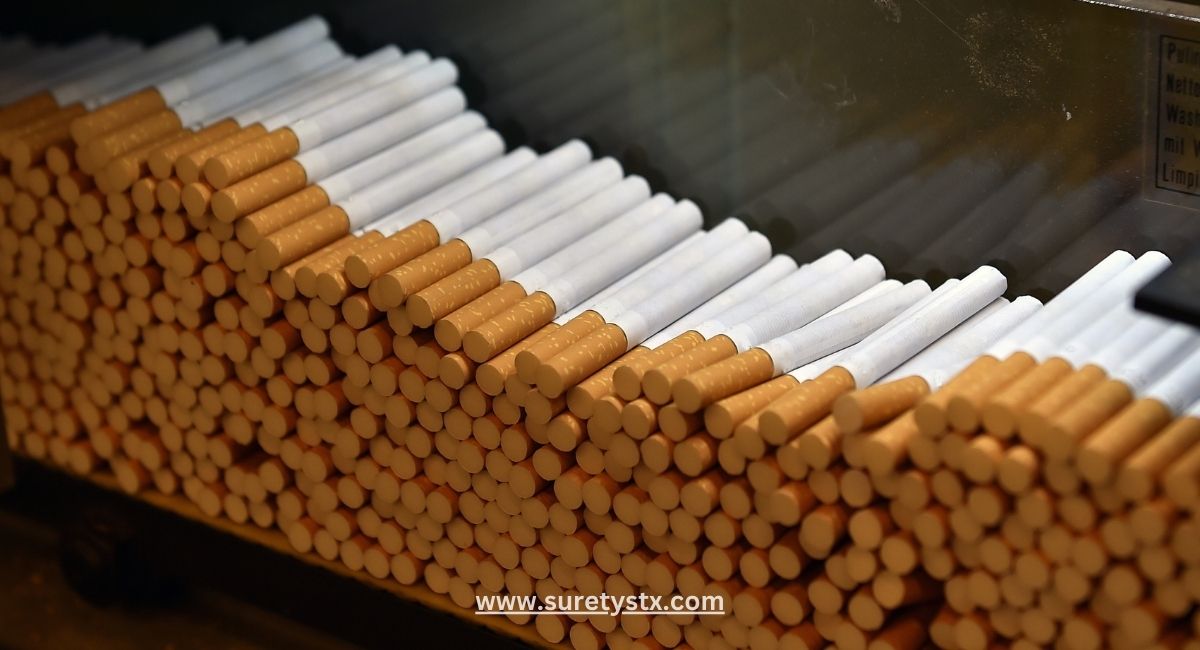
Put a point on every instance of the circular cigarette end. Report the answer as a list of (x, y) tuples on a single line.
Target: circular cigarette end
[(479, 349), (657, 386), (419, 310), (638, 418), (848, 413), (332, 287), (195, 198), (388, 291), (224, 206), (627, 382), (931, 418), (688, 395), (550, 380), (218, 173), (961, 414), (719, 420), (455, 370), (121, 173), (999, 419), (448, 334)]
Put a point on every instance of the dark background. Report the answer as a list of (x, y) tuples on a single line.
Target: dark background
[(936, 134)]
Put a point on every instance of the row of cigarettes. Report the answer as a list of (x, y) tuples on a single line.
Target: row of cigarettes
[(316, 294)]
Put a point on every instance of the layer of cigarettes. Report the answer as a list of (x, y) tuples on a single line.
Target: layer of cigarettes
[(316, 295)]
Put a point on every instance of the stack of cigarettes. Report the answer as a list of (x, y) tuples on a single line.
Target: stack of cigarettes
[(316, 295)]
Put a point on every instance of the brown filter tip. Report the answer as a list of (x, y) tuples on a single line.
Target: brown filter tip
[(330, 258), (1137, 478), (1116, 439), (452, 292), (258, 191), (931, 412), (885, 448), (963, 410), (532, 357), (398, 248), (250, 158), (123, 171), (803, 406), (161, 161), (142, 193), (54, 117), (1069, 428), (73, 184), (189, 167), (195, 197), (639, 417), (32, 141), (127, 138), (732, 375), (999, 414), (449, 330), (252, 228), (491, 376), (26, 109), (31, 148), (455, 370), (657, 382), (876, 405), (510, 326), (393, 288), (115, 115), (582, 397), (575, 363), (168, 195), (676, 424), (627, 380), (722, 417), (303, 237), (1034, 422)]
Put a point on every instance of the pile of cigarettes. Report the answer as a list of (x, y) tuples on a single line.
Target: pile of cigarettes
[(315, 294)]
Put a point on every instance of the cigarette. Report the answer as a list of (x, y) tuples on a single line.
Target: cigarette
[(635, 320), (395, 217), (313, 130), (530, 246)]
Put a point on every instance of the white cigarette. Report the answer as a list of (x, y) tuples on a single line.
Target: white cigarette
[(1180, 386), (201, 107), (371, 104), (703, 281), (625, 280), (808, 304), (340, 175), (280, 43), (1159, 357), (58, 66), (946, 357), (1063, 303), (224, 51), (451, 161), (532, 211), (843, 329), (193, 43), (625, 225), (300, 91), (880, 356), (1111, 293), (307, 106), (386, 201), (567, 226), (591, 276), (807, 275), (777, 268), (547, 169)]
